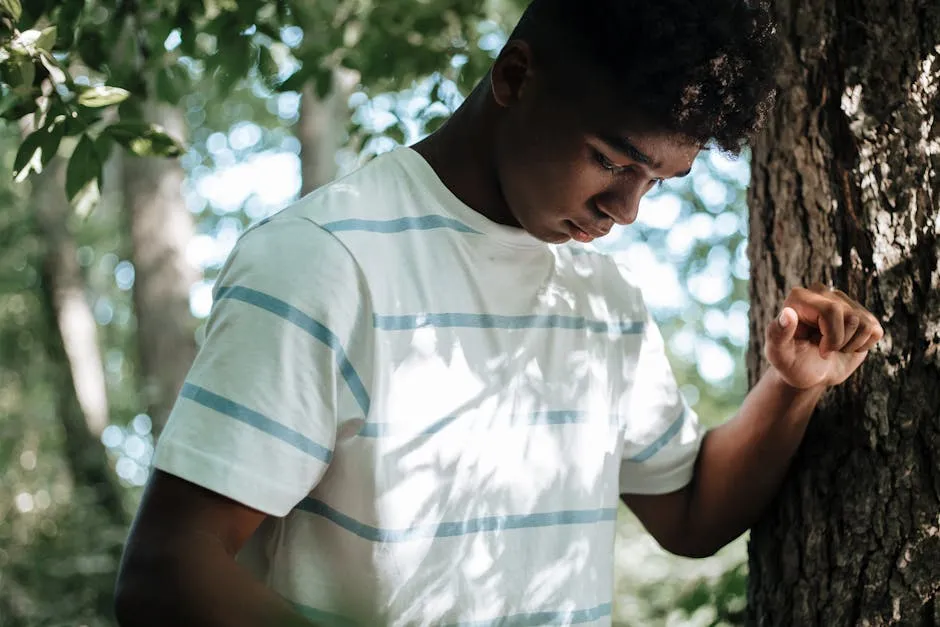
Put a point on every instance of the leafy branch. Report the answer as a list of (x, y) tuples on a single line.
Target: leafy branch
[(35, 82)]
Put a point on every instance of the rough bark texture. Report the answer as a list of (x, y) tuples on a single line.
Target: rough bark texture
[(71, 339), (321, 129), (161, 227), (845, 190)]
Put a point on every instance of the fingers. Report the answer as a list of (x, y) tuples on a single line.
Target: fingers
[(843, 323), (855, 333), (858, 339), (823, 312), (870, 344), (868, 324), (784, 327), (877, 332), (832, 318)]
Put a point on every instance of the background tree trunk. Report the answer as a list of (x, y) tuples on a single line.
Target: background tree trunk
[(322, 129), (71, 339), (845, 189), (161, 227)]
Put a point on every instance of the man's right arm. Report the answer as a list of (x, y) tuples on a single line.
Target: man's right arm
[(179, 563)]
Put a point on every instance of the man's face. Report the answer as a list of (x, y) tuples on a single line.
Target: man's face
[(570, 165)]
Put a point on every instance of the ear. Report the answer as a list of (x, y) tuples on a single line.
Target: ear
[(511, 73)]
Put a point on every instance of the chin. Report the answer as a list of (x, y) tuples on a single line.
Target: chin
[(550, 237), (545, 233), (557, 238)]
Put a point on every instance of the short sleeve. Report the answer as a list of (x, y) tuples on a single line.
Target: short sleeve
[(284, 360), (662, 436)]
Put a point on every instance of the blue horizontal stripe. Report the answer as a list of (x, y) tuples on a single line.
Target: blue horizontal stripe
[(662, 440), (399, 225), (458, 528), (385, 429), (491, 321), (295, 316), (259, 421), (568, 617)]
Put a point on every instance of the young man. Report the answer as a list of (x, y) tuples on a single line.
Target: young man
[(418, 402)]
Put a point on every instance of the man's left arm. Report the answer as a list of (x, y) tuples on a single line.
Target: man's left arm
[(821, 337)]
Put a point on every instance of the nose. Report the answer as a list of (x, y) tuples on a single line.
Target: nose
[(621, 202)]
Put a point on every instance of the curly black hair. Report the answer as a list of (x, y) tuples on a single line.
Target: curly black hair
[(702, 68)]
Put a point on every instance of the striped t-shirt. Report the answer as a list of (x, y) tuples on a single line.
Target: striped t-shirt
[(438, 412)]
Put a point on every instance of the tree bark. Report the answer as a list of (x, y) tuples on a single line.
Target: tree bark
[(161, 227), (71, 339), (845, 190), (322, 129)]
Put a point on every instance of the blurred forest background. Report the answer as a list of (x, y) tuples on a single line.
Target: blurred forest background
[(155, 133)]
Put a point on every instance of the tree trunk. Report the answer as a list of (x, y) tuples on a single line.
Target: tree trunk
[(161, 227), (71, 339), (322, 129), (845, 190)]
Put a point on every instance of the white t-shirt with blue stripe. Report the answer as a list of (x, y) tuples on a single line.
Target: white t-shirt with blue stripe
[(438, 412)]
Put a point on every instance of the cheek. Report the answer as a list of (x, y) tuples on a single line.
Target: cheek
[(546, 175), (558, 180)]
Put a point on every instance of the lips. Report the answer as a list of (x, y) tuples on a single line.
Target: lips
[(585, 233)]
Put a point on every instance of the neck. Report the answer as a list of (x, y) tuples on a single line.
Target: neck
[(461, 153)]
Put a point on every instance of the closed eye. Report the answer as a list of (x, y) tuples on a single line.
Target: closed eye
[(613, 168), (606, 163)]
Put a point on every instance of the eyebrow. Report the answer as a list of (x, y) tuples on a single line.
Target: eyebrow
[(625, 146)]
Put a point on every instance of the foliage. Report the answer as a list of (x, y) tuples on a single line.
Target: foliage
[(61, 72), (36, 81)]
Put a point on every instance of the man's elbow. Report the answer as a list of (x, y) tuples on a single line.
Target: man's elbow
[(133, 595), (141, 593), (126, 600), (690, 546)]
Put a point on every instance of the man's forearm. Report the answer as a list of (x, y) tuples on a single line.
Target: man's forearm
[(205, 588), (742, 463)]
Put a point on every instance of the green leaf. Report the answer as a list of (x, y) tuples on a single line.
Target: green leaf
[(87, 197), (294, 82), (144, 140), (84, 167), (46, 39), (18, 71), (25, 42), (50, 138), (102, 96), (27, 160), (103, 146), (11, 8), (74, 124), (56, 74)]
